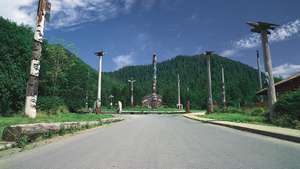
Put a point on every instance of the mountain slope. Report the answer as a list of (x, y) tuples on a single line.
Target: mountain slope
[(240, 79), (63, 78)]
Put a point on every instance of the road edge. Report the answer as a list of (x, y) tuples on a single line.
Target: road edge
[(281, 136)]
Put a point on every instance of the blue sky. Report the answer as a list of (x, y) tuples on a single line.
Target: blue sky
[(130, 31)]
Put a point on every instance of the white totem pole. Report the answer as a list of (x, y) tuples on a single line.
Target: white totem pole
[(264, 30), (32, 84), (98, 102), (223, 89), (131, 81), (179, 105)]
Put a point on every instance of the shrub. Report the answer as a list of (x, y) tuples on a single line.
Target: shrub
[(257, 112), (287, 109), (22, 141), (51, 104), (49, 134), (234, 110), (62, 130)]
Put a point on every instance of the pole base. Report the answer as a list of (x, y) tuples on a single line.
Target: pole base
[(30, 106)]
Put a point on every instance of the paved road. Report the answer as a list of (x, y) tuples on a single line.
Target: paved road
[(160, 142)]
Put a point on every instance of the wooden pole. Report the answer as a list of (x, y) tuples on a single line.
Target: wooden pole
[(259, 74), (223, 89), (179, 105), (32, 84), (131, 90), (210, 100), (268, 66), (264, 29), (98, 102)]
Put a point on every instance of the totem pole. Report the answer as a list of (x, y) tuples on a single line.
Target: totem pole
[(43, 14)]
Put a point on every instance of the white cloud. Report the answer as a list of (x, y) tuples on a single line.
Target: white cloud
[(229, 52), (66, 13), (123, 60), (282, 33), (14, 10), (286, 70)]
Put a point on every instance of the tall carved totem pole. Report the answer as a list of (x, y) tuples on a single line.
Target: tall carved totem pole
[(153, 100), (32, 84)]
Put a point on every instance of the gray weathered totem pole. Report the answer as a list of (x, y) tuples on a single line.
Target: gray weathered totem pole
[(43, 13), (100, 54), (259, 74), (179, 105), (86, 92), (131, 81), (223, 89), (210, 106), (264, 29), (188, 101)]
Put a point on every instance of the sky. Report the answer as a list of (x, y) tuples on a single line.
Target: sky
[(130, 31)]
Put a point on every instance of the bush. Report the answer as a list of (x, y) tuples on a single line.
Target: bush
[(287, 110), (233, 110), (22, 141), (49, 134), (62, 130), (257, 112), (51, 104)]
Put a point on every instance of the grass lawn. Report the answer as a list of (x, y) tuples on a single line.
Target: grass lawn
[(42, 117), (236, 117)]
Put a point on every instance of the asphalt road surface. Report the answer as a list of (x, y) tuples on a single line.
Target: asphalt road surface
[(160, 142)]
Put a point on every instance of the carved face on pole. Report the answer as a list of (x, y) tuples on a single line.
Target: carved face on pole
[(43, 14)]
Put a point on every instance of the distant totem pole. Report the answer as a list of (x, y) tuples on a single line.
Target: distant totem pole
[(188, 101), (131, 81), (210, 105), (259, 75), (223, 89), (179, 105), (43, 14), (153, 100), (154, 83)]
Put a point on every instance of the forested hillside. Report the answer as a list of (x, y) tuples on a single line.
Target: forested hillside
[(65, 80), (240, 79)]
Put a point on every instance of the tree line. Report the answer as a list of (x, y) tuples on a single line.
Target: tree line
[(66, 81)]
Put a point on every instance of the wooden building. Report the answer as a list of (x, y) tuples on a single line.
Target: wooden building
[(289, 84)]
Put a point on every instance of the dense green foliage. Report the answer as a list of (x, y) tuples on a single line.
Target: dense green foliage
[(15, 51), (240, 79), (287, 110), (65, 80)]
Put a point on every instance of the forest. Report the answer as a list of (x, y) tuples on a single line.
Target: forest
[(67, 83)]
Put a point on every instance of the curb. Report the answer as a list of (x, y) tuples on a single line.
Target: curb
[(7, 146), (282, 136), (153, 112)]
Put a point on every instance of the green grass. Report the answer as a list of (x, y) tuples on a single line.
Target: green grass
[(44, 118), (145, 109), (236, 117)]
